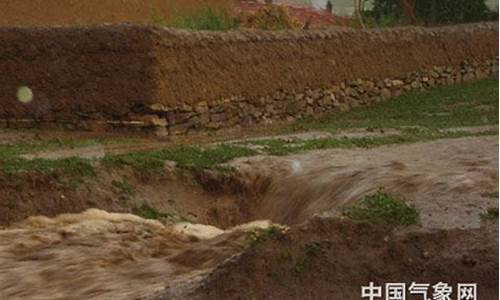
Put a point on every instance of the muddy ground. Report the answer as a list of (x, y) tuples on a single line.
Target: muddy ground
[(315, 253)]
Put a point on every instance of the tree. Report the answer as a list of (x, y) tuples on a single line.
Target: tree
[(432, 11)]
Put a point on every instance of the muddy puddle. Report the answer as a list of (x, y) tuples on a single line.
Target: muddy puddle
[(100, 255)]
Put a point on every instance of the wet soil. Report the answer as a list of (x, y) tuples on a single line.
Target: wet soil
[(320, 256), (332, 259)]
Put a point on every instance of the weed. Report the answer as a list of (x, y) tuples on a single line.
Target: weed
[(205, 18), (300, 267), (71, 167), (74, 168), (270, 17), (381, 208), (312, 249), (192, 158), (157, 17), (490, 214), (147, 212), (259, 235), (123, 187)]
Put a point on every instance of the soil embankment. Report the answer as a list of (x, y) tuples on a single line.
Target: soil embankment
[(331, 259)]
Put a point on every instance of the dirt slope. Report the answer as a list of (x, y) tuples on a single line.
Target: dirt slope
[(331, 260)]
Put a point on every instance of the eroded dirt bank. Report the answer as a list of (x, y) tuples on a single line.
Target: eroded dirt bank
[(321, 256), (332, 259)]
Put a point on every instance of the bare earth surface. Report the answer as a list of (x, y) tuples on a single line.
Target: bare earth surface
[(99, 255)]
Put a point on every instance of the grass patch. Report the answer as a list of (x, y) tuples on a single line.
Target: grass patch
[(381, 208), (123, 187), (205, 18), (469, 104), (311, 250), (490, 214), (186, 157), (195, 15), (283, 147), (259, 235), (74, 168), (147, 212)]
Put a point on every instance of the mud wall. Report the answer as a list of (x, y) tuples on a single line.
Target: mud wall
[(181, 81)]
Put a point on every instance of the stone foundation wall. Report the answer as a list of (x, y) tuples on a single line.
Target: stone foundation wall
[(289, 106), (281, 106)]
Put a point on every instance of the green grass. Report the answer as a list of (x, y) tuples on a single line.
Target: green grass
[(311, 251), (211, 15), (259, 235), (75, 167), (490, 214), (420, 116), (381, 208), (469, 104), (123, 187), (147, 212), (312, 248), (283, 147), (205, 18), (185, 157)]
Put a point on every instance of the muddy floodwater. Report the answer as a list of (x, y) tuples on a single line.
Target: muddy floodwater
[(450, 182)]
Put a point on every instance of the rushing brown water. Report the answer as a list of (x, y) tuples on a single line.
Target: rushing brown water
[(98, 255), (446, 180)]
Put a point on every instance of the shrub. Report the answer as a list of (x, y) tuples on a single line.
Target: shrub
[(205, 18), (269, 17), (195, 14), (381, 208), (490, 214), (430, 12)]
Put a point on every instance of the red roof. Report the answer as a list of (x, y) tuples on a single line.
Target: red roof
[(319, 18)]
